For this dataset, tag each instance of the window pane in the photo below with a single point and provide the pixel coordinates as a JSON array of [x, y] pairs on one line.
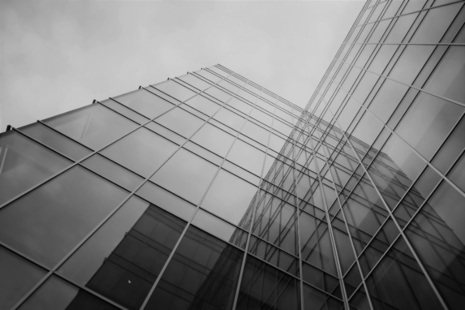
[[89, 258], [203, 104], [167, 201], [145, 103], [120, 108], [435, 24], [56, 141], [186, 175], [180, 122], [213, 139], [427, 122], [56, 294], [247, 157], [142, 151], [399, 282], [231, 119], [175, 90], [410, 63], [449, 77], [18, 277], [194, 81], [202, 274], [256, 132], [113, 172], [125, 261], [263, 286], [51, 220], [94, 126], [24, 163], [229, 197]]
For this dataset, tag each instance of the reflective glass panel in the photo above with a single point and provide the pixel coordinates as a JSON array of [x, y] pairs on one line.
[[56, 141], [186, 174], [24, 163], [142, 151], [247, 157], [213, 139], [56, 294], [113, 172], [17, 277], [203, 104], [180, 122], [427, 122], [145, 103], [202, 274], [265, 287], [229, 197], [175, 90], [94, 126], [449, 76], [51, 220]]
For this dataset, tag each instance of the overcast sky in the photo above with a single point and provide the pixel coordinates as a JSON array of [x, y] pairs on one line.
[[59, 55]]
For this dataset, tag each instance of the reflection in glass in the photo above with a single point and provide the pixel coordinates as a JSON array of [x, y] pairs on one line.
[[229, 197], [94, 126], [56, 294], [175, 90], [24, 163], [427, 123], [213, 139], [17, 277], [202, 274], [186, 174], [142, 151], [51, 220], [56, 141], [265, 287], [145, 103], [180, 122]]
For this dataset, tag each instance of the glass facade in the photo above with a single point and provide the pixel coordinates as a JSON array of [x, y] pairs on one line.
[[208, 191]]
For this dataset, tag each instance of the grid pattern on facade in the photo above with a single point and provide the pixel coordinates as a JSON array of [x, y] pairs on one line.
[[208, 191], [393, 100]]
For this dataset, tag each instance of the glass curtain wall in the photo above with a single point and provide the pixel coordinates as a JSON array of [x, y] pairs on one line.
[[208, 191]]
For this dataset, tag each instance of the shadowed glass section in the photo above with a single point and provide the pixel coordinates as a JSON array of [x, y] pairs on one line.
[[56, 294], [203, 274], [265, 287], [18, 277], [52, 219]]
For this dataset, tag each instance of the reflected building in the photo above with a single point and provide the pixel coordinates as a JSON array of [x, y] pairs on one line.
[[208, 191]]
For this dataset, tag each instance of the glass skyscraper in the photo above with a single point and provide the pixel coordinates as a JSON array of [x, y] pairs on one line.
[[208, 191]]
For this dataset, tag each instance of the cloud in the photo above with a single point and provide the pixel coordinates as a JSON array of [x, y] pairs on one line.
[[59, 55]]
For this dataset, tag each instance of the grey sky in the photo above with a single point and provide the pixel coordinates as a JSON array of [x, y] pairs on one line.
[[59, 55]]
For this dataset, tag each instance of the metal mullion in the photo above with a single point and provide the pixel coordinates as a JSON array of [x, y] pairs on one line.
[[414, 87], [407, 241], [350, 240], [417, 11], [82, 159], [262, 89], [422, 44], [331, 235], [337, 55], [392, 131], [297, 226], [189, 222]]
